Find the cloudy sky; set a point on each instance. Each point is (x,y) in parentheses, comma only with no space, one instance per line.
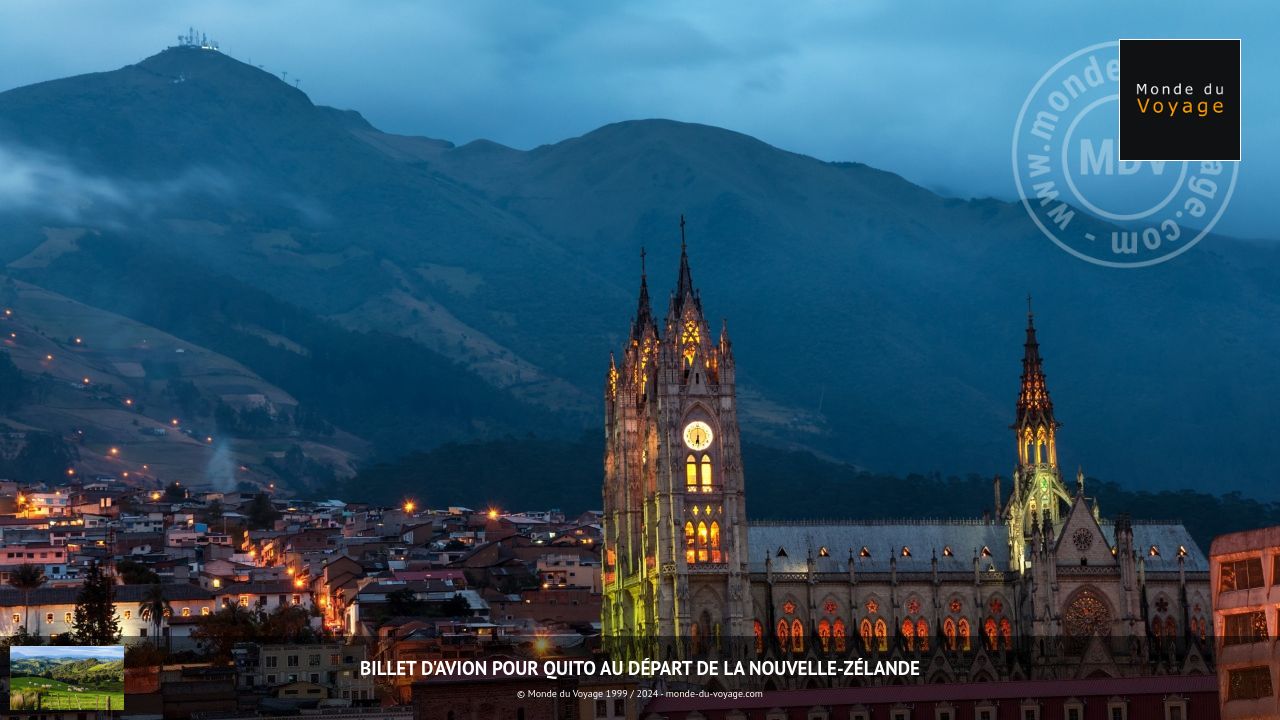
(924,89)
(101,652)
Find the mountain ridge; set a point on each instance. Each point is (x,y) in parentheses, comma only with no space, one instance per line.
(875,321)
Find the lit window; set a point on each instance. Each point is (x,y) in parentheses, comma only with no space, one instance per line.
(128,614)
(706,473)
(759,632)
(949,630)
(48,618)
(702,542)
(715,542)
(823,552)
(922,635)
(964,635)
(909,634)
(17,618)
(864,632)
(784,633)
(797,636)
(864,552)
(186,612)
(691,473)
(689,550)
(824,635)
(882,635)
(837,631)
(66,617)
(906,551)
(946,551)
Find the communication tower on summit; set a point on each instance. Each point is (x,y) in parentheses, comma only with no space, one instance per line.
(193,39)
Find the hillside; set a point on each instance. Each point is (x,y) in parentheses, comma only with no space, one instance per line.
(875,322)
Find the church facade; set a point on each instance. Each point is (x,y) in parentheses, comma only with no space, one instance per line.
(1047,587)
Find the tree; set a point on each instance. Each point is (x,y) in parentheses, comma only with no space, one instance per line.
(27,577)
(94,621)
(135,573)
(173,493)
(155,609)
(219,632)
(214,511)
(13,389)
(262,514)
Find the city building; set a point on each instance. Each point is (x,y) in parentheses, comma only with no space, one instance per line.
(1046,587)
(1245,576)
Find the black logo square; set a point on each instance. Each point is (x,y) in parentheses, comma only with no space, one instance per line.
(1179,99)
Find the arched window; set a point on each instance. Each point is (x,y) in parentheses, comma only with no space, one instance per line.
(882,635)
(991,633)
(706,473)
(949,631)
(909,634)
(824,635)
(1157,628)
(702,542)
(1170,628)
(922,635)
(784,634)
(837,629)
(759,631)
(695,641)
(715,542)
(864,630)
(1006,632)
(797,636)
(964,635)
(691,473)
(689,537)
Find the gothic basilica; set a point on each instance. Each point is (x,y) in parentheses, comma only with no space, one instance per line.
(1047,588)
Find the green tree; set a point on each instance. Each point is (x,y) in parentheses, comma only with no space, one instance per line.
(262,514)
(219,632)
(155,609)
(135,573)
(27,577)
(94,621)
(173,493)
(13,389)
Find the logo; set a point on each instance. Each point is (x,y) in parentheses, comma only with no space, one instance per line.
(1082,196)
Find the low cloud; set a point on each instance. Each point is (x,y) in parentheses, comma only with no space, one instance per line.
(35,182)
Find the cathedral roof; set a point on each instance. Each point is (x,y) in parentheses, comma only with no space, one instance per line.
(798,540)
(882,540)
(1167,538)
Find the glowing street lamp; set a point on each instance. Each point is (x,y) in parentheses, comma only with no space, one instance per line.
(409,506)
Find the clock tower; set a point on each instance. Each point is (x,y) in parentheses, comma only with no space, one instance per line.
(675,564)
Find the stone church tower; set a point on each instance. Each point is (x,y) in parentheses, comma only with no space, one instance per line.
(675,575)
(1039,497)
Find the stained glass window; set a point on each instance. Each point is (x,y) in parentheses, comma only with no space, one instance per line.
(1006,632)
(784,633)
(949,630)
(830,607)
(702,542)
(837,630)
(759,632)
(797,636)
(964,635)
(922,635)
(689,538)
(824,635)
(882,635)
(909,634)
(715,542)
(991,633)
(1087,615)
(864,631)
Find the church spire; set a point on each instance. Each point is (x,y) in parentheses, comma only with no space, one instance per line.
(1034,404)
(644,311)
(684,292)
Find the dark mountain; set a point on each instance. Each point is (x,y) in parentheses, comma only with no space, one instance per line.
(875,322)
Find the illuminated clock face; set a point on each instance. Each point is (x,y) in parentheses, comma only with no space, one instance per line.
(697,435)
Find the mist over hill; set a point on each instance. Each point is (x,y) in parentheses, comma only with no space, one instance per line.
(874,322)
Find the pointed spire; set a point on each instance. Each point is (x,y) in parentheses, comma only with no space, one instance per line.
(684,293)
(685,282)
(1080,480)
(1034,404)
(644,311)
